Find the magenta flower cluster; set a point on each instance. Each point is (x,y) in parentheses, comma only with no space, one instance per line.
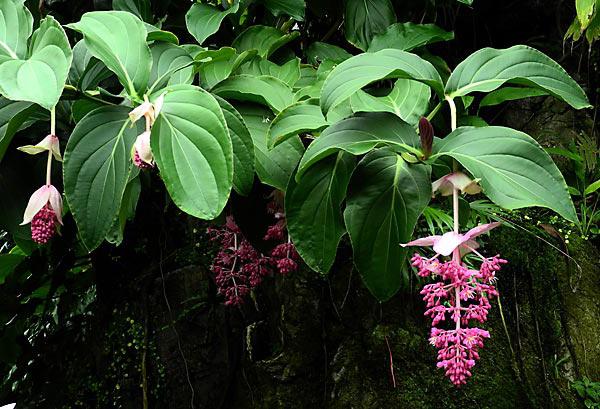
(43,225)
(461,295)
(239,267)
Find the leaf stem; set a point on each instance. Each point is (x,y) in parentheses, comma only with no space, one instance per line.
(434,111)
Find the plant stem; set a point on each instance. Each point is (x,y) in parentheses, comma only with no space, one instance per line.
(434,111)
(53,133)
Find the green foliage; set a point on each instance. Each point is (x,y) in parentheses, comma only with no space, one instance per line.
(588,391)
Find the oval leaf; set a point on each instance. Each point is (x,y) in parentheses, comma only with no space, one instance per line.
(265,90)
(171,65)
(305,116)
(203,20)
(408,99)
(96,168)
(358,135)
(293,8)
(216,65)
(489,68)
(274,167)
(16,25)
(514,169)
(264,39)
(363,69)
(192,149)
(118,39)
(243,148)
(385,199)
(313,210)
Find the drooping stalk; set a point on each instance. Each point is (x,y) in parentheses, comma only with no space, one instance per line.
(53,133)
(455,207)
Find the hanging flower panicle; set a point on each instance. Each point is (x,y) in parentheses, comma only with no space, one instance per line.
(238,266)
(44,209)
(141,154)
(459,295)
(284,256)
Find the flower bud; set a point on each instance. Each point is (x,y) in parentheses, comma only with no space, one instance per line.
(426,134)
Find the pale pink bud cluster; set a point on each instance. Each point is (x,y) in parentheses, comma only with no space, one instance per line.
(461,295)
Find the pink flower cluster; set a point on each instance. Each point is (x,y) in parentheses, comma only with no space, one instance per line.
(460,295)
(43,225)
(239,267)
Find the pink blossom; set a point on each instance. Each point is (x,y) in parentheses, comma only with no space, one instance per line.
(49,143)
(458,180)
(141,152)
(43,211)
(446,243)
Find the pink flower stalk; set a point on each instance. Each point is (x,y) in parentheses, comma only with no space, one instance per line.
(460,295)
(43,211)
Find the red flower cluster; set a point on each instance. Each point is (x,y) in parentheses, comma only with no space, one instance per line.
(239,267)
(43,225)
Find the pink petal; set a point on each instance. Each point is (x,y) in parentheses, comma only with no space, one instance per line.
(56,203)
(423,242)
(158,105)
(442,185)
(38,199)
(448,243)
(142,146)
(49,143)
(479,230)
(468,246)
(145,108)
(457,180)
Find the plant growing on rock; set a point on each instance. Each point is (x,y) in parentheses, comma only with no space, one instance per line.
(335,133)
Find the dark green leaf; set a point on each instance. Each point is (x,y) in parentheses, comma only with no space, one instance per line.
(313,210)
(305,116)
(513,169)
(358,135)
(243,148)
(363,69)
(510,94)
(203,20)
(408,36)
(118,39)
(217,65)
(408,99)
(318,52)
(288,73)
(141,8)
(292,8)
(364,19)
(15,116)
(274,167)
(192,149)
(96,168)
(385,199)
(264,89)
(171,65)
(488,69)
(264,39)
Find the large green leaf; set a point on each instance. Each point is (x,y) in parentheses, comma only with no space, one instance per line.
(304,116)
(141,8)
(293,8)
(16,25)
(264,39)
(288,73)
(86,71)
(41,77)
(96,168)
(171,65)
(514,169)
(15,116)
(408,99)
(131,196)
(408,36)
(264,89)
(318,51)
(243,148)
(313,210)
(192,149)
(364,19)
(203,20)
(510,94)
(358,135)
(274,167)
(118,39)
(217,65)
(386,197)
(489,68)
(363,69)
